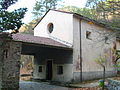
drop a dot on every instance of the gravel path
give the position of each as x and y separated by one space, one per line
27 85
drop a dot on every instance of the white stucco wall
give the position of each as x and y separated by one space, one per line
67 28
92 49
58 58
76 44
39 75
67 75
63 26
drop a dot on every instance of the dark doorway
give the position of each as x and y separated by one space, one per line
49 70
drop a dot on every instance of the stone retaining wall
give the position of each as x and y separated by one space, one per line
113 85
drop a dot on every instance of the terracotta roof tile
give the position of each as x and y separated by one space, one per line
38 40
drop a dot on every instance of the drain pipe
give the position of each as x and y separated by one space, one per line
80 51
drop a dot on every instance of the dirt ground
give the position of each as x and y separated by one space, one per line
87 85
86 89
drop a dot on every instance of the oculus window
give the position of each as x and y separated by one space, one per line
50 27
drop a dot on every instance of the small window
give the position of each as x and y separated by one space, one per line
5 53
59 70
106 40
50 27
88 35
40 69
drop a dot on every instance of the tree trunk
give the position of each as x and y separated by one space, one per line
103 78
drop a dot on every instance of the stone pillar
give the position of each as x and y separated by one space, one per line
10 52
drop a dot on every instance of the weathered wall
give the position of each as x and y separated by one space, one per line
76 49
63 26
76 45
118 49
96 46
113 85
118 44
67 28
10 52
62 58
91 49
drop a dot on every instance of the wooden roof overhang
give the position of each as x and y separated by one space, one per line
33 44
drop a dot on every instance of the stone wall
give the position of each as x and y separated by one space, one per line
113 85
10 52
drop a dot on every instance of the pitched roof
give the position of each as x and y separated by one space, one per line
81 17
27 38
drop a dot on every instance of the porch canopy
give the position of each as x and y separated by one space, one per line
34 44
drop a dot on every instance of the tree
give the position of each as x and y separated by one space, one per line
102 61
28 28
10 20
116 55
42 6
82 11
106 11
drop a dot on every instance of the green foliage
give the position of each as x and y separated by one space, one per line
6 3
10 20
117 66
28 28
82 11
101 83
116 54
106 11
42 6
27 61
117 57
101 60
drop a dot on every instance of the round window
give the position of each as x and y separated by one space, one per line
50 27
